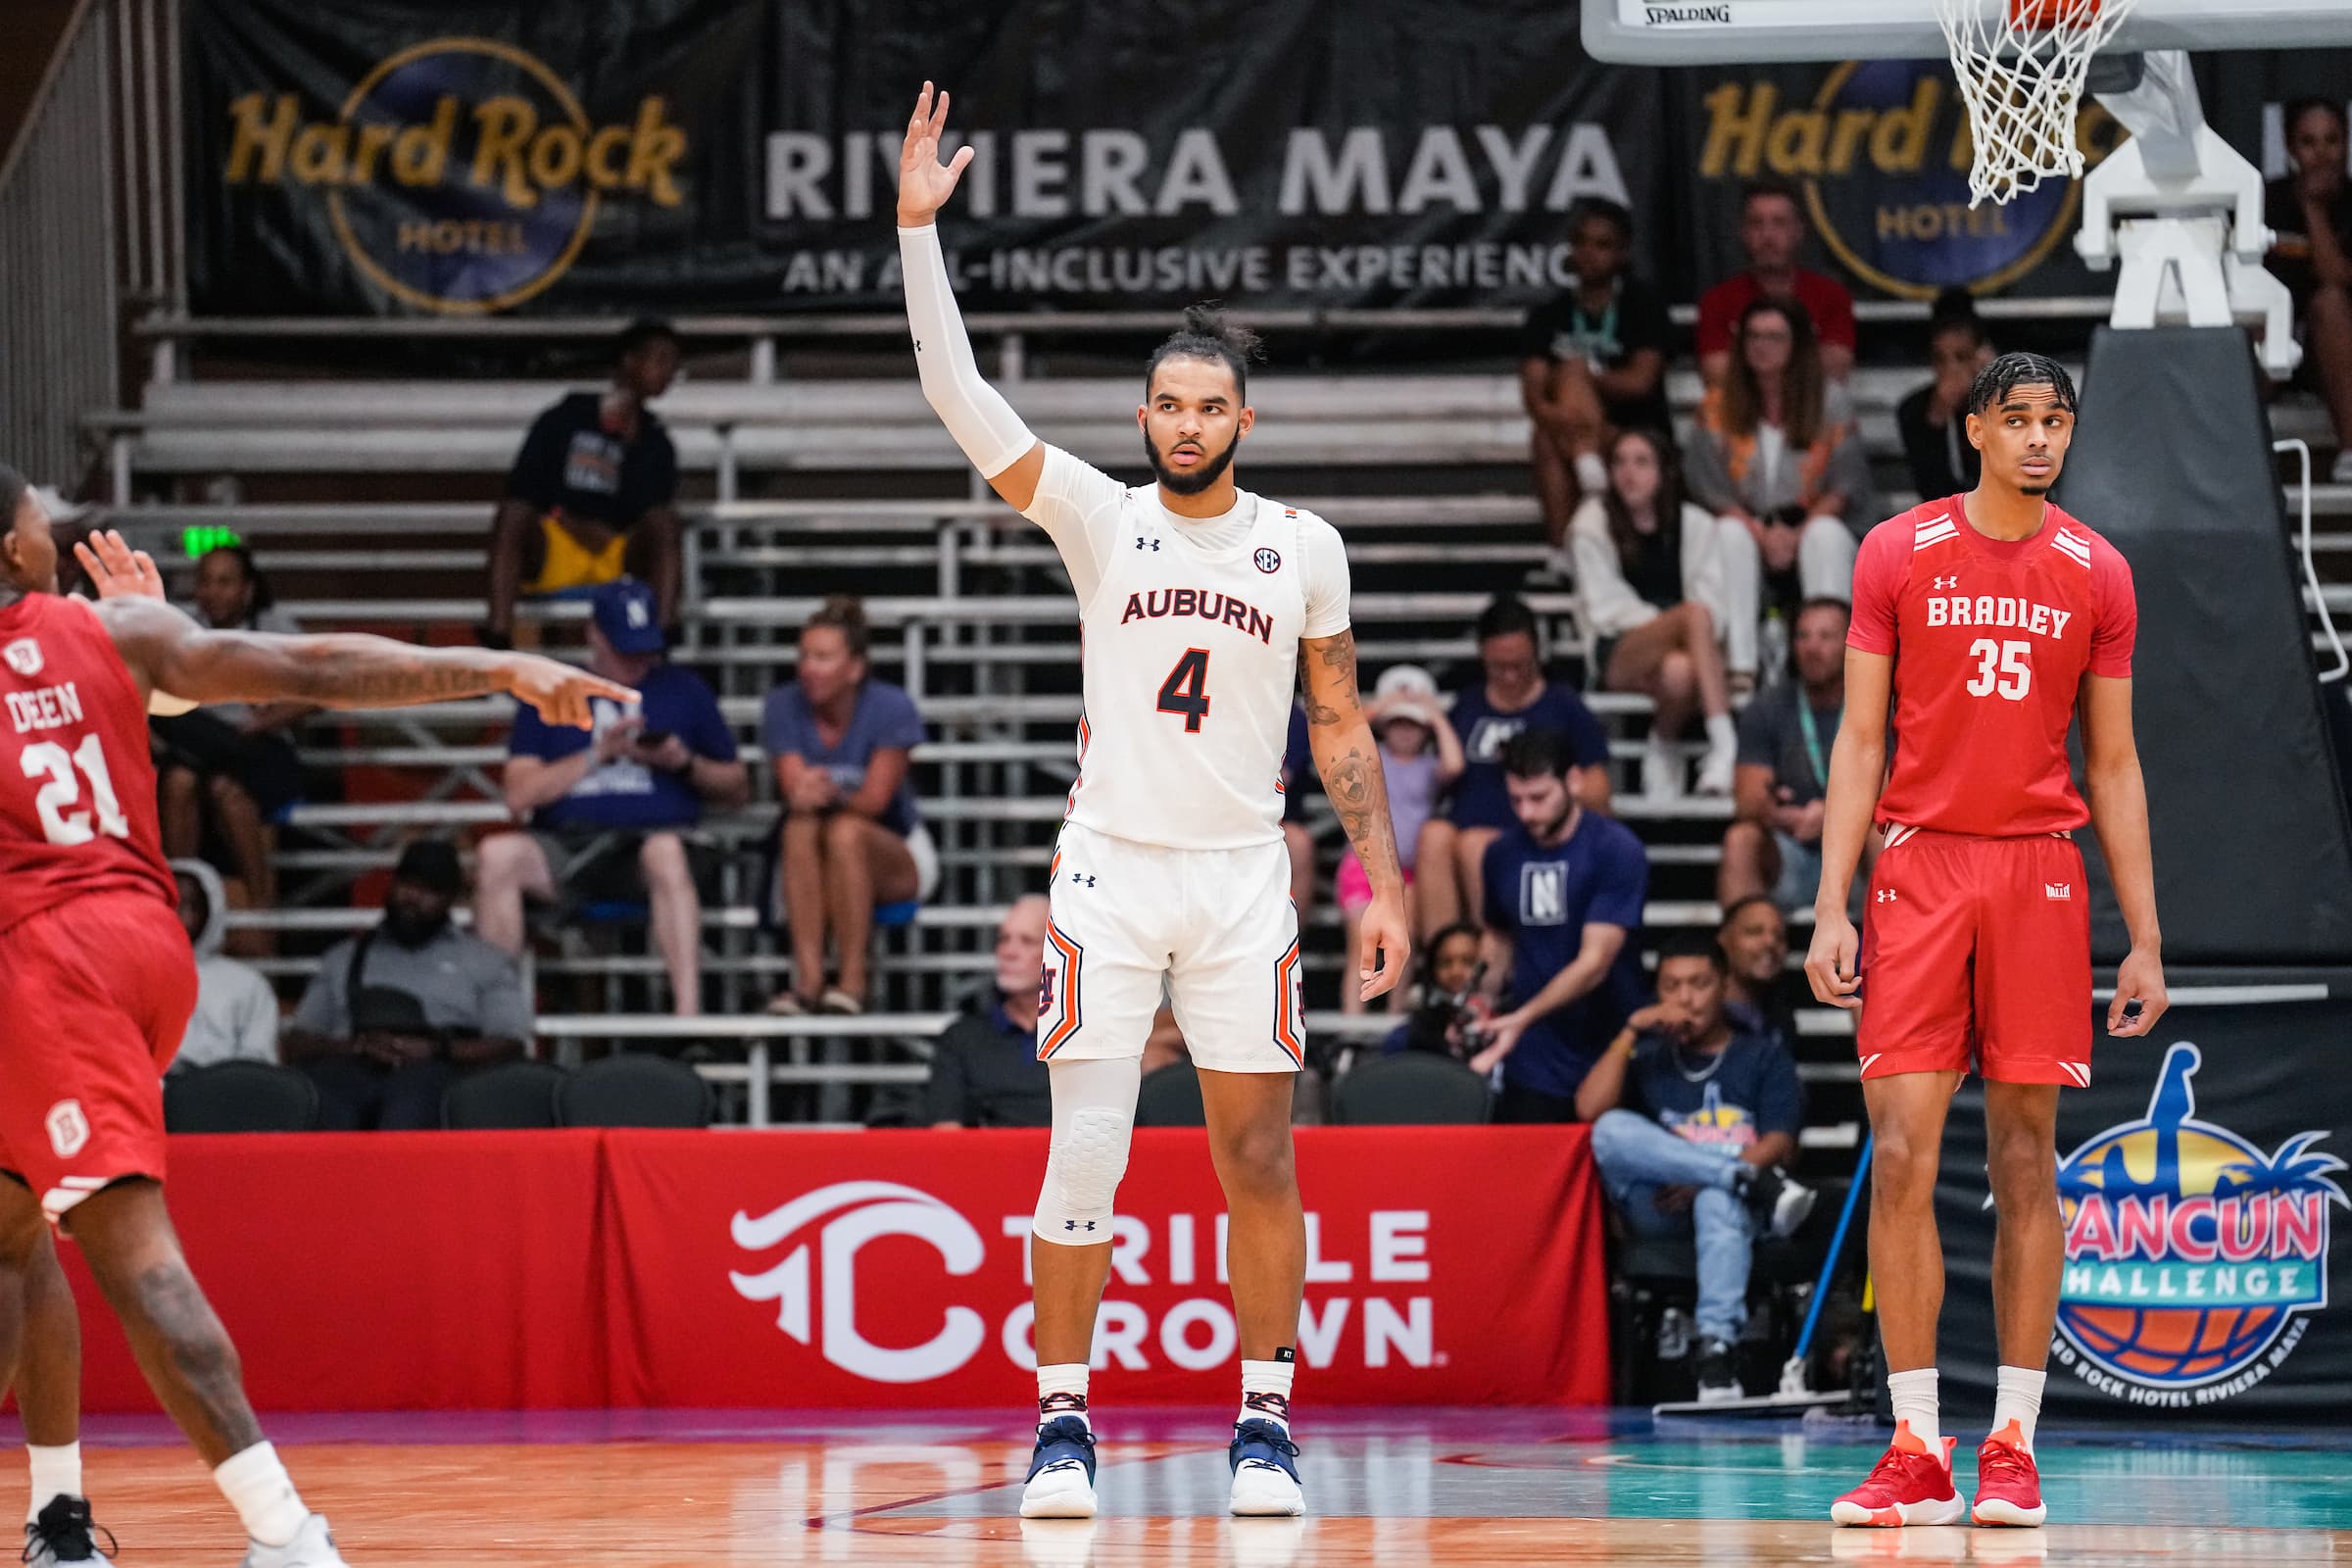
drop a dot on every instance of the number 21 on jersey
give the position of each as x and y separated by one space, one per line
58 802
2001 667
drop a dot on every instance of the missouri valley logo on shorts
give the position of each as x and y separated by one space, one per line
2194 1259
69 1128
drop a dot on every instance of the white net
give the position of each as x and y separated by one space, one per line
2022 66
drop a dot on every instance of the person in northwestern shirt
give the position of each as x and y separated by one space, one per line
608 808
1564 893
1515 696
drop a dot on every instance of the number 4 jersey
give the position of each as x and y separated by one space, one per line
1990 640
77 813
1190 630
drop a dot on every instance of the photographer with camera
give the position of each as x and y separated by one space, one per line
609 809
1453 1009
1692 1120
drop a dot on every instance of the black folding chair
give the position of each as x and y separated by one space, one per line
1410 1089
633 1090
240 1096
513 1093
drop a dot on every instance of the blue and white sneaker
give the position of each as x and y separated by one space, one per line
1061 1472
1265 1471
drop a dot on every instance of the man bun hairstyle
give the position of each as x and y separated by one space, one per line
845 613
2006 374
1208 334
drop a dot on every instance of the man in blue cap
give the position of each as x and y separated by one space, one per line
608 810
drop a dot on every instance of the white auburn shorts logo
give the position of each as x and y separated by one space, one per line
69 1128
860 1212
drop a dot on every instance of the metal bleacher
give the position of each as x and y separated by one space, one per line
1422 472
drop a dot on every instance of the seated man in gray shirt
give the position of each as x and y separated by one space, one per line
985 1071
397 1014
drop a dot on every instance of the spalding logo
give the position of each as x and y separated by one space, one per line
462 174
859 1212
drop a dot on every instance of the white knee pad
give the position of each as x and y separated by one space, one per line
1094 1123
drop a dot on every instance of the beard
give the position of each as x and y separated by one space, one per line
1180 484
1552 829
413 930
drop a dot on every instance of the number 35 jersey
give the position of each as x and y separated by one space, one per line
1190 630
77 813
1990 640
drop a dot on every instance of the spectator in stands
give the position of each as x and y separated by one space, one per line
1451 1008
1933 421
1300 783
1692 1122
842 744
1669 593
1564 891
1594 362
1772 233
1774 844
2311 212
231 766
397 1014
1514 696
1754 938
1420 756
609 809
984 1070
593 493
1774 434
236 1012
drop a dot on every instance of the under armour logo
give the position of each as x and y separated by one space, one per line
1146 544
1883 895
1073 1225
1953 582
1080 879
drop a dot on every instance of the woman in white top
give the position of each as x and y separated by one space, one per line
1669 591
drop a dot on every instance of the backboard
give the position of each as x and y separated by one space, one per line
1682 33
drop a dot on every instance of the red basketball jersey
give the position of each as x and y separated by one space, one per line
1990 640
78 810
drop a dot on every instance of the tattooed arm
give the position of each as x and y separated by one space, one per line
165 649
1348 761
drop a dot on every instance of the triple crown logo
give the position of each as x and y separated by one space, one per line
462 176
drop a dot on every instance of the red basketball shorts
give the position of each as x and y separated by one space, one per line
1976 953
94 997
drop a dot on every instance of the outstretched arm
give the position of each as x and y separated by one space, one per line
975 413
1349 763
167 650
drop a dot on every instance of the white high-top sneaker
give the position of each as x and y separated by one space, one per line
312 1547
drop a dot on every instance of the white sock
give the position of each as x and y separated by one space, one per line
56 1473
255 1484
2017 1402
1266 1389
1914 1397
1722 733
1591 475
1061 1390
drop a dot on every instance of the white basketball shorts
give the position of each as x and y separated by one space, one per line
1215 925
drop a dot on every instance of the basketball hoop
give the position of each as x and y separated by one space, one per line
2021 65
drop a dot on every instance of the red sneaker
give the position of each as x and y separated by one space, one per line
1909 1487
2008 1486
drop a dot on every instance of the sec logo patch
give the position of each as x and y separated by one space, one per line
1268 560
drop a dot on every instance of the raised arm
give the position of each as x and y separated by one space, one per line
1857 773
975 413
167 650
1350 764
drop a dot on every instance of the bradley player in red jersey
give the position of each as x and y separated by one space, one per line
96 983
1983 623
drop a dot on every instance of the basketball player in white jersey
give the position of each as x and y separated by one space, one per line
1198 603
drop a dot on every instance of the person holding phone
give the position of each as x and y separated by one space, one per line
610 809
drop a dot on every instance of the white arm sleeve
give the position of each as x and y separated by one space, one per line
1326 571
975 413
1078 507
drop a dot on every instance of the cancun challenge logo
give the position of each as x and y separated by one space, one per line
461 174
1881 154
2193 1258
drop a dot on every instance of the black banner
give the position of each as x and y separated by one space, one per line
2202 1177
697 156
